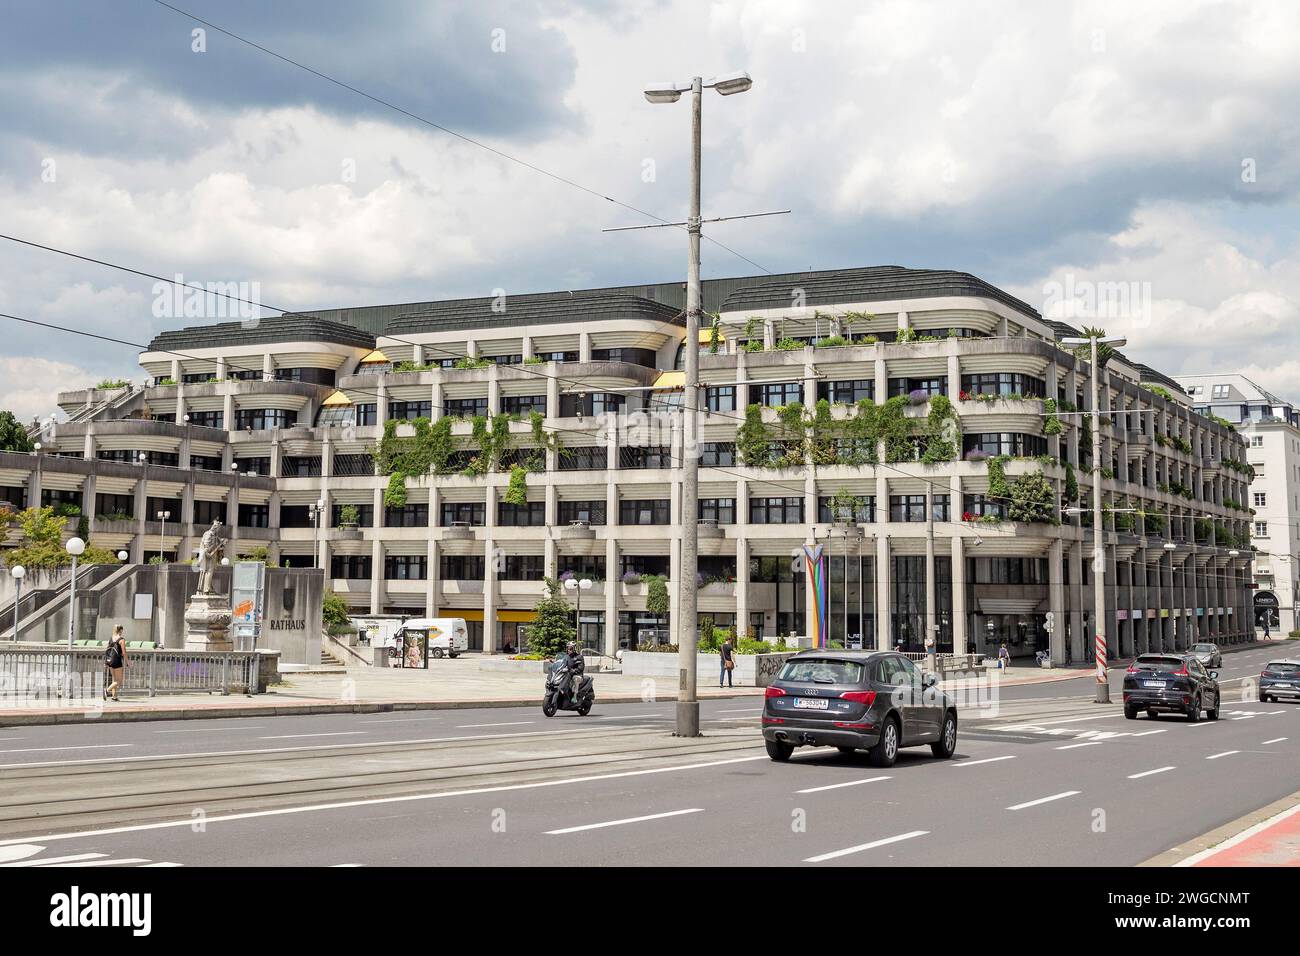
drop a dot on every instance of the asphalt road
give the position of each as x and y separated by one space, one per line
1040 779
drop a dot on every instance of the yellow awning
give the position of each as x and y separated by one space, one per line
476 614
706 336
374 358
335 400
670 380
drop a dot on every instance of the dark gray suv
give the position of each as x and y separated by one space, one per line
876 701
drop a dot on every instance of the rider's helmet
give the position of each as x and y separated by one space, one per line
571 647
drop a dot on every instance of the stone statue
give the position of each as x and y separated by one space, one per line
211 548
208 616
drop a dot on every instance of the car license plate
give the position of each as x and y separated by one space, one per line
811 703
1281 685
1153 683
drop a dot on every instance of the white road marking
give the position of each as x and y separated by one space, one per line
1148 773
972 763
125 861
54 860
1276 740
18 851
866 846
377 801
508 723
336 733
619 823
1246 717
1034 803
1271 712
206 730
836 786
626 716
28 750
164 864
1203 723
1090 743
1148 733
1226 753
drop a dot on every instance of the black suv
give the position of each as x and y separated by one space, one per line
1175 682
876 701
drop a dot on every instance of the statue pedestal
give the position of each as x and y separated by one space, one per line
207 623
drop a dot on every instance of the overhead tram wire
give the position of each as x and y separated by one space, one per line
446 129
933 483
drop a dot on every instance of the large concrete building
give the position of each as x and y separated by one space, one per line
922 426
1270 427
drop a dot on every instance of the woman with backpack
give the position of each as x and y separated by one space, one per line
115 661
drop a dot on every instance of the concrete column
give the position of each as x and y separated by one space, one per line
883 597
141 515
435 401
490 599
527 347
904 322
742 586
228 410
268 367
185 520
1056 600
882 391
742 386
377 585
552 396
381 402
959 611
1078 642
431 584
611 594
417 354
954 374
494 390
88 446
34 481
87 499
584 346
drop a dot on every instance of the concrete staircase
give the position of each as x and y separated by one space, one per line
329 659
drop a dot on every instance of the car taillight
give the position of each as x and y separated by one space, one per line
865 697
1132 669
1182 673
773 692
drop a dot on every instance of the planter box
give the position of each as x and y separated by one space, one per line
752 670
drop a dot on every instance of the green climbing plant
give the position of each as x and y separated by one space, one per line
492 435
656 594
753 438
942 432
517 491
1051 421
427 451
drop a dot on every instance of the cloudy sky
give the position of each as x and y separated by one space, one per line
1042 146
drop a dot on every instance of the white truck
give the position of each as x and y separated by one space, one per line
444 636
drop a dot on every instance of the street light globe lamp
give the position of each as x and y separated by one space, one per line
75 547
122 555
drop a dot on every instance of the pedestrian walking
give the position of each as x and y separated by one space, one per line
115 661
1004 657
727 657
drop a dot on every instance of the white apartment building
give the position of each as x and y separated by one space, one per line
1270 427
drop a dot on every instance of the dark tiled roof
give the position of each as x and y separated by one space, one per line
520 310
1147 374
265 331
871 283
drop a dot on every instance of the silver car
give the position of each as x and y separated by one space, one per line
1208 655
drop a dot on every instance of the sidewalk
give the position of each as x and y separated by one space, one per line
1268 837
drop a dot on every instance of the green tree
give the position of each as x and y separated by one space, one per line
42 545
334 613
551 629
13 436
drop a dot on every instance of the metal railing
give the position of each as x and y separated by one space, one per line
57 672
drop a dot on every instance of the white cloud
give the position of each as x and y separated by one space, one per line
29 386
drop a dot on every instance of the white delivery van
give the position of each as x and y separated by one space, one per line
446 636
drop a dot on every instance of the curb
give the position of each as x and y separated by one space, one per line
211 712
1180 855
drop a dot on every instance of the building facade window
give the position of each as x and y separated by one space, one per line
523 404
633 511
847 391
583 458
406 567
864 509
529 515
524 567
350 567
777 394
720 398
588 512
932 385
472 513
262 419
410 515
776 510
718 510
457 407
409 411
717 454
461 567
1003 383
1015 444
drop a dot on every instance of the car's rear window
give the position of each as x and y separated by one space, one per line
823 672
1289 670
1165 665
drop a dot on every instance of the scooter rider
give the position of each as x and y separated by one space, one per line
576 666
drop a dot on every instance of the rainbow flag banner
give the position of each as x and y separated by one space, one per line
816 561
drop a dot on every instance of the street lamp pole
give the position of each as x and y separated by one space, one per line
75 547
162 534
1098 553
18 571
